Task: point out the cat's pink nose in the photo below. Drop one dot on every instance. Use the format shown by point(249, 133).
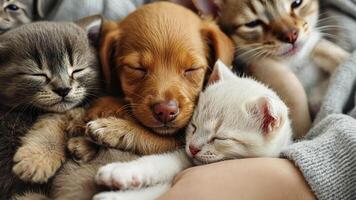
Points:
point(193, 150)
point(290, 36)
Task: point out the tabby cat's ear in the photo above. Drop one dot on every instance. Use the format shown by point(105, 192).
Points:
point(209, 7)
point(44, 7)
point(206, 8)
point(264, 111)
point(221, 72)
point(92, 25)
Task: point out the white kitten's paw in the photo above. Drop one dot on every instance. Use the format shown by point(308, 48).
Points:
point(122, 176)
point(108, 196)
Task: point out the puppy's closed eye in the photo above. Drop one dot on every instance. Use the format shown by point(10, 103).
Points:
point(135, 73)
point(192, 70)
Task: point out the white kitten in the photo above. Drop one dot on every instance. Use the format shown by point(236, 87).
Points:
point(235, 118)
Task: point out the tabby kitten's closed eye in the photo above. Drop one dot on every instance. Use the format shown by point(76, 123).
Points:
point(47, 72)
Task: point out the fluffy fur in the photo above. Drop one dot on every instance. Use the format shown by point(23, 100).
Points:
point(235, 118)
point(37, 61)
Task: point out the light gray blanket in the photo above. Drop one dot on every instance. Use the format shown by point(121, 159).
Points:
point(327, 155)
point(71, 10)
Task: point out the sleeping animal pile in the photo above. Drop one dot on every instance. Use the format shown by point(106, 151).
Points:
point(95, 105)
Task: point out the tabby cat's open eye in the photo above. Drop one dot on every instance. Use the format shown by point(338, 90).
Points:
point(12, 7)
point(254, 24)
point(296, 4)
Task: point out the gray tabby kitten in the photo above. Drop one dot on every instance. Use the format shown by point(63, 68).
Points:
point(14, 13)
point(44, 68)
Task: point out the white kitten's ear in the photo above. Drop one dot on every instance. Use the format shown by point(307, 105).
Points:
point(264, 111)
point(221, 72)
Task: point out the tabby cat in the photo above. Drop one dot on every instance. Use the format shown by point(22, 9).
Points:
point(281, 44)
point(14, 13)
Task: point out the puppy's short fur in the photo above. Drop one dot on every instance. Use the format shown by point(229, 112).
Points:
point(160, 52)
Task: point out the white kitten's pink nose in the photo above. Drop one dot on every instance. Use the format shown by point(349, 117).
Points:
point(193, 150)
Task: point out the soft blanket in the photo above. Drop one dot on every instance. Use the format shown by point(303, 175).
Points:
point(71, 10)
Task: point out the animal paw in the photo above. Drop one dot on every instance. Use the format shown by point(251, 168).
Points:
point(81, 149)
point(110, 132)
point(34, 164)
point(109, 196)
point(123, 176)
point(104, 107)
point(75, 122)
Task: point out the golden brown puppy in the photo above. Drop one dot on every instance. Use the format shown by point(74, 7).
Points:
point(156, 59)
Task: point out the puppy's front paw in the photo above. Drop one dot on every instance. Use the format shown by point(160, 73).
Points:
point(35, 164)
point(81, 149)
point(122, 176)
point(109, 131)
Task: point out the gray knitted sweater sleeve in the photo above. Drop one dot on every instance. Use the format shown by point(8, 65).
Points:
point(328, 162)
point(327, 155)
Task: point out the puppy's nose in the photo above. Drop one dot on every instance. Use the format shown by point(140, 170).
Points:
point(290, 36)
point(166, 111)
point(193, 150)
point(62, 91)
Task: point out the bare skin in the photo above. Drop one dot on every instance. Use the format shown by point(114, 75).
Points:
point(287, 85)
point(244, 179)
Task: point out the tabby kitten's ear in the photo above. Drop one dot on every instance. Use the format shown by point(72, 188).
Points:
point(44, 7)
point(92, 25)
point(206, 8)
point(264, 111)
point(221, 72)
point(3, 56)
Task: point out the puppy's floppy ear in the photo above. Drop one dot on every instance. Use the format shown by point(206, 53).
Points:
point(92, 25)
point(43, 7)
point(221, 46)
point(110, 38)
